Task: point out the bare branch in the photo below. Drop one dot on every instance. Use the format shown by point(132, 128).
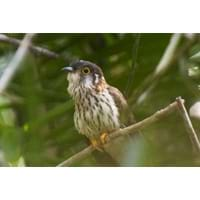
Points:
point(78, 156)
point(128, 130)
point(168, 58)
point(35, 49)
point(192, 134)
point(15, 62)
point(169, 55)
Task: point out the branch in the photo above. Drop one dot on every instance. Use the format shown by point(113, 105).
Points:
point(15, 62)
point(189, 127)
point(171, 56)
point(168, 58)
point(35, 49)
point(128, 130)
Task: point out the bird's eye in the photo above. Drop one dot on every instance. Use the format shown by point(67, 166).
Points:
point(86, 70)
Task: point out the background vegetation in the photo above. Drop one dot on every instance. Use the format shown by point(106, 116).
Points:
point(36, 113)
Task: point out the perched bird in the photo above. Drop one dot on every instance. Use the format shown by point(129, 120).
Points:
point(99, 108)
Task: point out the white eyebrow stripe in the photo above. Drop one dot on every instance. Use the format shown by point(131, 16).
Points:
point(96, 78)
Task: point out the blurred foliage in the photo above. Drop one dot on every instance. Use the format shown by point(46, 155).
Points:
point(36, 114)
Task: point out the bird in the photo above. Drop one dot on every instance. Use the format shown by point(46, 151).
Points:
point(100, 108)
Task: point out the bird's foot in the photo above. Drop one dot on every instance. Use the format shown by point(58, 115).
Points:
point(96, 145)
point(104, 138)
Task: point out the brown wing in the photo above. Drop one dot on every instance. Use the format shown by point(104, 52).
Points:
point(120, 146)
point(126, 117)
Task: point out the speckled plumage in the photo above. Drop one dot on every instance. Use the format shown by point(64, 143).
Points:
point(99, 107)
point(95, 113)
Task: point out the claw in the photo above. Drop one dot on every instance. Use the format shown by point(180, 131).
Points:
point(104, 138)
point(96, 144)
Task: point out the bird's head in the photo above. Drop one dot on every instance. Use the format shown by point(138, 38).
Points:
point(84, 74)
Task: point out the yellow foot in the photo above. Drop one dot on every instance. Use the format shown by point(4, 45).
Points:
point(104, 138)
point(96, 144)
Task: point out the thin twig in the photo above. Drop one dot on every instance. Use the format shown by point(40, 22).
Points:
point(133, 65)
point(15, 62)
point(128, 130)
point(192, 134)
point(35, 49)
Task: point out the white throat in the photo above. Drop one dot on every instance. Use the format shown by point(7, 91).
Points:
point(75, 83)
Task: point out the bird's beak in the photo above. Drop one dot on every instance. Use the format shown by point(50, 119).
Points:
point(68, 69)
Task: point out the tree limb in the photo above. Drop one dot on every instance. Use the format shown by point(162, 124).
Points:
point(171, 56)
point(128, 130)
point(15, 62)
point(166, 61)
point(35, 49)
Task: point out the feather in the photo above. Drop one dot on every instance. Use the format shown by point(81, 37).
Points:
point(126, 116)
